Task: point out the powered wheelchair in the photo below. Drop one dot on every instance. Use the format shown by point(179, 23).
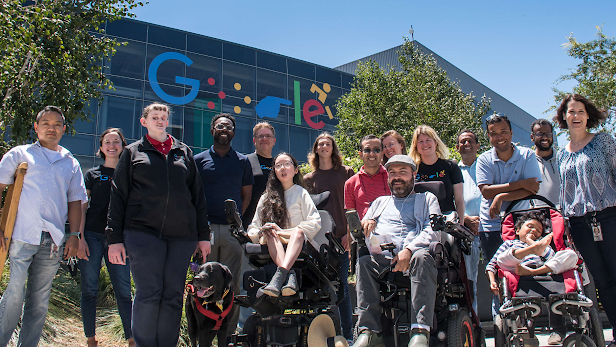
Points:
point(537, 296)
point(455, 322)
point(285, 321)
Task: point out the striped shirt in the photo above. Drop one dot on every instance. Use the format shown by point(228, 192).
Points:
point(531, 260)
point(53, 180)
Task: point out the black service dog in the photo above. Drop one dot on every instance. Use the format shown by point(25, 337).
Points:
point(209, 302)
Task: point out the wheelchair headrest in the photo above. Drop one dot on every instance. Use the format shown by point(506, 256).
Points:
point(554, 220)
point(435, 187)
point(320, 200)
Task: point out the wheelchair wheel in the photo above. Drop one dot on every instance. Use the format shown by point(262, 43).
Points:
point(480, 337)
point(254, 331)
point(586, 341)
point(596, 328)
point(500, 332)
point(460, 330)
point(336, 321)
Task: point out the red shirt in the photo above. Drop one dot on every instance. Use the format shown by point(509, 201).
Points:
point(162, 147)
point(362, 189)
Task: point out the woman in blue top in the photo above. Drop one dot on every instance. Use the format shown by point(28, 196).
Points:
point(93, 242)
point(587, 167)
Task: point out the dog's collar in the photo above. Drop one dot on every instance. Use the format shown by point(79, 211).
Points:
point(218, 317)
point(218, 302)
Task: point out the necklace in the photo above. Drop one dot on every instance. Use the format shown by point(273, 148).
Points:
point(578, 143)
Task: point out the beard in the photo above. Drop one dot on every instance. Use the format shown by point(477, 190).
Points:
point(224, 141)
point(404, 190)
point(541, 147)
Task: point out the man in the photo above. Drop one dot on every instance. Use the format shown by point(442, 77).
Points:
point(504, 173)
point(542, 135)
point(226, 174)
point(53, 192)
point(371, 180)
point(262, 163)
point(468, 145)
point(412, 236)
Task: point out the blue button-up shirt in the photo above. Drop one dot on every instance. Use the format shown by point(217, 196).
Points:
point(472, 194)
point(53, 180)
point(223, 178)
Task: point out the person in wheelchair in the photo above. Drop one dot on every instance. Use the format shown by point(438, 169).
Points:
point(286, 216)
point(404, 219)
point(529, 254)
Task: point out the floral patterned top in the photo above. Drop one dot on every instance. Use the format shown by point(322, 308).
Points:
point(587, 177)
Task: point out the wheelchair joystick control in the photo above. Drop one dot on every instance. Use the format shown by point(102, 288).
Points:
point(234, 220)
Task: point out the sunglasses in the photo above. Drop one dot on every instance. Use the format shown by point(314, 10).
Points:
point(374, 150)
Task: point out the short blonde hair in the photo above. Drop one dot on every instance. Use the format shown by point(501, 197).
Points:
point(441, 150)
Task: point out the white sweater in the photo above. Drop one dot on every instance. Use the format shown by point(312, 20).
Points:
point(303, 214)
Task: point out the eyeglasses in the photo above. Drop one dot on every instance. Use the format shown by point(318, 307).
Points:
point(287, 164)
point(390, 145)
point(221, 126)
point(374, 150)
point(548, 135)
point(261, 137)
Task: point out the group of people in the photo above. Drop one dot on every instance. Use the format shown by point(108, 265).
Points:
point(153, 205)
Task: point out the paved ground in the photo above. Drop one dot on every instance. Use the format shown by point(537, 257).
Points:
point(543, 338)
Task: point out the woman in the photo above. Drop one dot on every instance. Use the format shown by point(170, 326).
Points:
point(285, 215)
point(330, 175)
point(430, 154)
point(393, 143)
point(587, 168)
point(158, 212)
point(93, 243)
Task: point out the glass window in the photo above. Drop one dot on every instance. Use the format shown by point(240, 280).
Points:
point(197, 128)
point(328, 76)
point(204, 45)
point(233, 105)
point(176, 123)
point(301, 69)
point(238, 53)
point(207, 101)
point(127, 61)
point(128, 29)
point(282, 138)
point(79, 144)
point(206, 70)
point(120, 113)
point(271, 84)
point(86, 162)
point(346, 80)
point(301, 144)
point(238, 80)
point(271, 62)
point(166, 37)
point(304, 94)
point(242, 141)
point(149, 93)
point(88, 126)
point(332, 98)
point(126, 87)
point(168, 70)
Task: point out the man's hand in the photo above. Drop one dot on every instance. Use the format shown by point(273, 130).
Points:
point(84, 250)
point(472, 222)
point(117, 254)
point(205, 248)
point(495, 208)
point(368, 225)
point(71, 247)
point(402, 260)
point(3, 246)
point(530, 184)
point(345, 242)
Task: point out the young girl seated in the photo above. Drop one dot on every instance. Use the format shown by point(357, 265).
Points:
point(528, 254)
point(287, 216)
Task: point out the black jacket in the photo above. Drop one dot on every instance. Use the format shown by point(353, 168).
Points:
point(158, 195)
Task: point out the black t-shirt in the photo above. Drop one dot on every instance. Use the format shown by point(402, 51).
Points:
point(98, 182)
point(267, 165)
point(446, 171)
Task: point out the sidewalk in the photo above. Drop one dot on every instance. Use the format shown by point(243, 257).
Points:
point(543, 339)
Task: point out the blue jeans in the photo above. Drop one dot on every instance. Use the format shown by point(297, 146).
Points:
point(344, 309)
point(35, 264)
point(159, 270)
point(490, 241)
point(90, 273)
point(599, 256)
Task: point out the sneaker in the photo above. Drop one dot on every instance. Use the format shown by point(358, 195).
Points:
point(419, 338)
point(369, 338)
point(291, 287)
point(555, 339)
point(275, 285)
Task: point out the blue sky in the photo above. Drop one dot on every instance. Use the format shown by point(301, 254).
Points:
point(513, 47)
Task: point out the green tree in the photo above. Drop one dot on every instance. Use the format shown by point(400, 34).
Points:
point(419, 93)
point(51, 53)
point(595, 74)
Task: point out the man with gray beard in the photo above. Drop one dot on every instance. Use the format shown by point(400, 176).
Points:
point(404, 219)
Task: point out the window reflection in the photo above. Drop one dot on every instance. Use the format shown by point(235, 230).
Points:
point(128, 60)
point(238, 80)
point(120, 113)
point(301, 143)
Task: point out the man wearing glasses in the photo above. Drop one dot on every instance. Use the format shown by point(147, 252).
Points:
point(543, 138)
point(371, 180)
point(226, 174)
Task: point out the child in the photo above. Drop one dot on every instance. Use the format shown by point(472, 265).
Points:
point(528, 255)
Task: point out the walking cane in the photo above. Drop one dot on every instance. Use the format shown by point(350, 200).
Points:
point(9, 211)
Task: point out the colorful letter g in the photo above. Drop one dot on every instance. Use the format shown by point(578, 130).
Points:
point(194, 84)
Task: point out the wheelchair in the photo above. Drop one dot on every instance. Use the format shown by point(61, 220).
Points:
point(455, 322)
point(537, 296)
point(285, 321)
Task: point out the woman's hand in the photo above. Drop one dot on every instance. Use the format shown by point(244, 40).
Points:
point(84, 251)
point(205, 248)
point(117, 254)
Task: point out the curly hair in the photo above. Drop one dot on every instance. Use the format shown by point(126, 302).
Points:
point(274, 206)
point(313, 156)
point(531, 215)
point(595, 116)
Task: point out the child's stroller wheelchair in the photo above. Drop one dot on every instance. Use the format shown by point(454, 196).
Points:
point(455, 322)
point(284, 321)
point(536, 296)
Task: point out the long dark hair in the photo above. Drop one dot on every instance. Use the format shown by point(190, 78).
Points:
point(274, 206)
